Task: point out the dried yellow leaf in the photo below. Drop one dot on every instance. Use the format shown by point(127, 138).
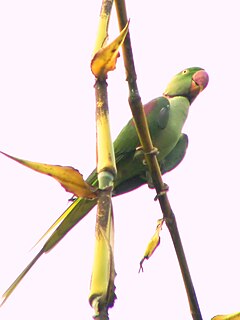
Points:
point(153, 243)
point(105, 59)
point(70, 178)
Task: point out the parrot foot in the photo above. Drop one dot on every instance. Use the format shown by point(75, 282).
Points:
point(140, 153)
point(154, 152)
point(162, 192)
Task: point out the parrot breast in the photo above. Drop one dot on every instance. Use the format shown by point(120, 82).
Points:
point(167, 138)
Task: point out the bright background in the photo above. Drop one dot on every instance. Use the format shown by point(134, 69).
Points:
point(48, 115)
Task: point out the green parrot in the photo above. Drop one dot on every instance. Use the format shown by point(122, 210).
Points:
point(166, 116)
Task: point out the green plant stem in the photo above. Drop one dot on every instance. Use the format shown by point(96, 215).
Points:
point(143, 132)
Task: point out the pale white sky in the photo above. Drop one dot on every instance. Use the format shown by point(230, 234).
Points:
point(47, 115)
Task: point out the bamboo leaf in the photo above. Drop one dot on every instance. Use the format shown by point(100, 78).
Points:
point(71, 179)
point(63, 216)
point(105, 59)
point(13, 286)
point(80, 207)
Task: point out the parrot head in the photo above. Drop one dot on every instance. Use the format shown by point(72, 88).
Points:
point(187, 83)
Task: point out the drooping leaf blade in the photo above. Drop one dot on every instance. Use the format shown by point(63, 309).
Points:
point(13, 286)
point(71, 179)
point(79, 208)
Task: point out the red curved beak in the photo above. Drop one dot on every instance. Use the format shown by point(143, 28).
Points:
point(201, 79)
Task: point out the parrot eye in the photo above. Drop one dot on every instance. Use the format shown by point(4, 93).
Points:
point(184, 71)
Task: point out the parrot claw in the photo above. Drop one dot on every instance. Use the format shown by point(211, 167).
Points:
point(154, 152)
point(162, 192)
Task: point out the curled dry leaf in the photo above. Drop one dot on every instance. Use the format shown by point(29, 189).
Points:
point(70, 178)
point(106, 58)
point(153, 243)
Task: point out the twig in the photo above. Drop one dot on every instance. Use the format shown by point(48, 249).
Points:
point(144, 137)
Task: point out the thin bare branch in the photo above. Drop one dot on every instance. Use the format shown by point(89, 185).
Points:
point(150, 154)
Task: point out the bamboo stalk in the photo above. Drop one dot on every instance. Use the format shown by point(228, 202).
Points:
point(102, 289)
point(106, 166)
point(151, 159)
